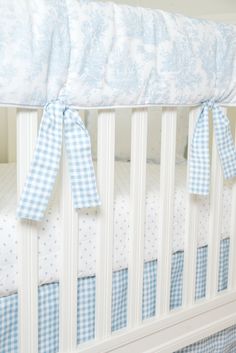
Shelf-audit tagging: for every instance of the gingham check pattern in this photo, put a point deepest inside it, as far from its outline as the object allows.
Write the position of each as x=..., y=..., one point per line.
x=49, y=305
x=58, y=121
x=199, y=176
x=221, y=342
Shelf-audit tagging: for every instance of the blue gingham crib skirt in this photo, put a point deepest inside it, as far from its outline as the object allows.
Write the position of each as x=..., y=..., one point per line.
x=49, y=305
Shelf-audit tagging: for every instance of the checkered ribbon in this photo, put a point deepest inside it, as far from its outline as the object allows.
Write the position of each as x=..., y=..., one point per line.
x=199, y=176
x=59, y=120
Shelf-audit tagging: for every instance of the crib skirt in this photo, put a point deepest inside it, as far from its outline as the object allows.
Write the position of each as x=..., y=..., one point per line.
x=49, y=305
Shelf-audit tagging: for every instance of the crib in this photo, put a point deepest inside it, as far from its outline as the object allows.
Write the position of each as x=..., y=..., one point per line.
x=168, y=329
x=206, y=316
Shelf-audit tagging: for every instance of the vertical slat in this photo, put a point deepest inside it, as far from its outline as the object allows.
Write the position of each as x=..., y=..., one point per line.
x=167, y=181
x=105, y=172
x=28, y=239
x=232, y=253
x=69, y=264
x=137, y=214
x=11, y=134
x=192, y=215
x=215, y=222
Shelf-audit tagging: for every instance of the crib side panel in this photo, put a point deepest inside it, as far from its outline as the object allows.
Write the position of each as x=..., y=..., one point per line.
x=27, y=125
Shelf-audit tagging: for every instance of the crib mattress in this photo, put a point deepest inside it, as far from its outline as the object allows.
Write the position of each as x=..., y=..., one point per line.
x=49, y=229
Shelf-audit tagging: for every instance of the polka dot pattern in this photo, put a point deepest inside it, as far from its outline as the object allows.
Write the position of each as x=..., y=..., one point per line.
x=50, y=228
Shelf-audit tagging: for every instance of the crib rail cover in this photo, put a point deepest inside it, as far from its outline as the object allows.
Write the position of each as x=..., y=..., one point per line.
x=92, y=54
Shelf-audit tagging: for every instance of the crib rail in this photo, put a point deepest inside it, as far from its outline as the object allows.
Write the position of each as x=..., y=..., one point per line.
x=148, y=334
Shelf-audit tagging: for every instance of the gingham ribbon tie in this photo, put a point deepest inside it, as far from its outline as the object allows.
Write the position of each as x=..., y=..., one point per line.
x=199, y=175
x=59, y=121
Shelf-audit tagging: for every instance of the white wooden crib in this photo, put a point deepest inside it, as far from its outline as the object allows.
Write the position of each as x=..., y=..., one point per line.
x=169, y=330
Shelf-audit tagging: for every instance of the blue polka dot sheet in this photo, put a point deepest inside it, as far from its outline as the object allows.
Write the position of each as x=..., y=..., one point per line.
x=49, y=305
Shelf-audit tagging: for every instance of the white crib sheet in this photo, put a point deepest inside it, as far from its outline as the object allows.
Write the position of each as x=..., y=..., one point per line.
x=49, y=229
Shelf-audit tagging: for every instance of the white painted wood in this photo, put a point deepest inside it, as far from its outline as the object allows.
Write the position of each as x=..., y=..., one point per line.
x=167, y=181
x=192, y=219
x=27, y=124
x=137, y=215
x=69, y=254
x=105, y=173
x=215, y=222
x=11, y=134
x=175, y=331
x=200, y=333
x=232, y=253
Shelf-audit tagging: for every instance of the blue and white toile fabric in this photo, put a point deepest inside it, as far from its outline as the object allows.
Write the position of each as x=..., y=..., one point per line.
x=124, y=55
x=102, y=54
x=84, y=54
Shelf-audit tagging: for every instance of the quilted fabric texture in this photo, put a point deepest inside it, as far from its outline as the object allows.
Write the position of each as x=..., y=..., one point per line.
x=34, y=51
x=102, y=54
x=94, y=54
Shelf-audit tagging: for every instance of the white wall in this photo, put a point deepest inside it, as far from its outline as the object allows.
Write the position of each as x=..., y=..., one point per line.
x=187, y=7
x=3, y=136
x=7, y=135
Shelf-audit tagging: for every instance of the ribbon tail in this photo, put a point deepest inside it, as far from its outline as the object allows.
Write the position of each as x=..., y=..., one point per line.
x=199, y=164
x=44, y=166
x=78, y=149
x=225, y=143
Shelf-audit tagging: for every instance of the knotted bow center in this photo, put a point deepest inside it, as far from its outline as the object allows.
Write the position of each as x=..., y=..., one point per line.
x=59, y=122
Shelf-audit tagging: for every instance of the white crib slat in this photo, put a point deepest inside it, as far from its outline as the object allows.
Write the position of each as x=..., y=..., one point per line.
x=232, y=253
x=69, y=264
x=215, y=223
x=28, y=239
x=137, y=215
x=105, y=172
x=167, y=181
x=192, y=214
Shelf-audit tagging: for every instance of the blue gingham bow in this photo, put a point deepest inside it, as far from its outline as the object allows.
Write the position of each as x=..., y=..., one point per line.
x=199, y=176
x=57, y=120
